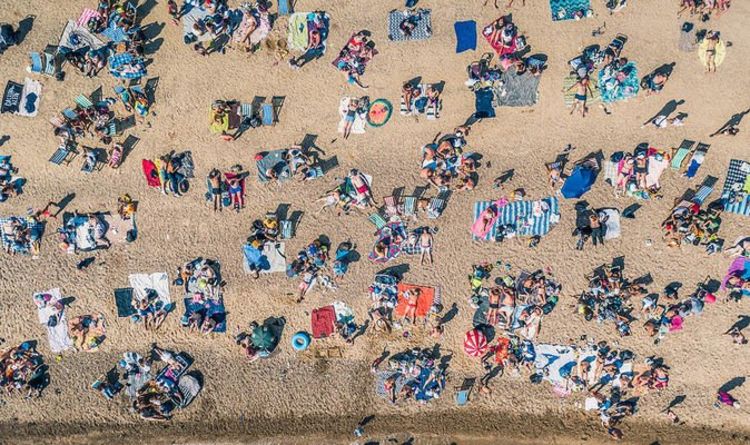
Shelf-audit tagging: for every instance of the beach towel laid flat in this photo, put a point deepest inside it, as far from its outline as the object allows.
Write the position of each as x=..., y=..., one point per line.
x=557, y=363
x=271, y=259
x=570, y=94
x=125, y=66
x=322, y=321
x=360, y=119
x=124, y=302
x=22, y=99
x=53, y=319
x=655, y=169
x=421, y=18
x=211, y=308
x=615, y=88
x=739, y=267
x=483, y=103
x=158, y=281
x=298, y=36
x=192, y=17
x=12, y=97
x=570, y=9
x=421, y=105
x=75, y=37
x=466, y=35
x=611, y=218
x=579, y=182
x=699, y=156
x=424, y=301
x=721, y=52
x=86, y=15
x=36, y=229
x=516, y=90
x=736, y=191
x=379, y=113
x=526, y=218
x=273, y=160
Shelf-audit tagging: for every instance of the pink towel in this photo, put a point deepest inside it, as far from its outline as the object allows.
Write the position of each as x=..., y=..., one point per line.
x=478, y=228
x=86, y=15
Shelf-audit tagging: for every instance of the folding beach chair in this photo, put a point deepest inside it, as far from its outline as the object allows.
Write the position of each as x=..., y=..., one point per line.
x=63, y=155
x=83, y=102
x=285, y=7
x=680, y=154
x=287, y=228
x=246, y=110
x=266, y=114
x=463, y=392
x=618, y=43
x=277, y=103
x=697, y=159
x=44, y=63
x=391, y=206
x=437, y=205
x=410, y=207
x=706, y=188
x=36, y=63
x=378, y=220
x=70, y=114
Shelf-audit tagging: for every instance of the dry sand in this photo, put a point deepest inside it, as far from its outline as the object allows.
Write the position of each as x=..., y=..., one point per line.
x=294, y=398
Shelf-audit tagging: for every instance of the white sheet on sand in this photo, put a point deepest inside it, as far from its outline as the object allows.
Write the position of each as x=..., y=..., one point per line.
x=360, y=120
x=611, y=218
x=655, y=169
x=30, y=98
x=276, y=257
x=58, y=336
x=83, y=239
x=558, y=362
x=158, y=281
x=84, y=38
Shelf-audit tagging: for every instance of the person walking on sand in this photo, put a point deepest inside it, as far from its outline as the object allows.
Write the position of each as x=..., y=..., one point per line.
x=583, y=89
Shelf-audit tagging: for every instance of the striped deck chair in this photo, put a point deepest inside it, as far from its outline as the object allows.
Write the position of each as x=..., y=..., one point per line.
x=70, y=114
x=391, y=206
x=680, y=153
x=706, y=188
x=436, y=206
x=287, y=228
x=56, y=122
x=63, y=155
x=83, y=102
x=36, y=63
x=246, y=110
x=410, y=207
x=377, y=220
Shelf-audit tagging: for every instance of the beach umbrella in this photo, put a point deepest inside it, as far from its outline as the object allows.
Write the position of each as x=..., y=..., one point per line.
x=262, y=338
x=475, y=343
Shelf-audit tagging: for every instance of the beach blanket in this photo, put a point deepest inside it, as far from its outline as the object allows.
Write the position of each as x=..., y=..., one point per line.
x=515, y=90
x=12, y=97
x=260, y=32
x=195, y=15
x=655, y=169
x=36, y=230
x=211, y=308
x=425, y=300
x=570, y=9
x=75, y=37
x=322, y=321
x=95, y=333
x=483, y=103
x=393, y=234
x=360, y=119
x=611, y=218
x=126, y=66
x=736, y=191
x=53, y=319
x=420, y=104
x=570, y=94
x=740, y=267
x=379, y=112
x=124, y=302
x=272, y=160
x=85, y=234
x=298, y=33
x=466, y=35
x=22, y=100
x=579, y=182
x=721, y=52
x=86, y=15
x=527, y=218
x=613, y=90
x=158, y=281
x=271, y=259
x=380, y=379
x=422, y=18
x=557, y=363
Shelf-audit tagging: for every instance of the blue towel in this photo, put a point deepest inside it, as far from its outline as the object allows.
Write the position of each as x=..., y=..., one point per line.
x=484, y=103
x=209, y=309
x=578, y=183
x=466, y=35
x=567, y=9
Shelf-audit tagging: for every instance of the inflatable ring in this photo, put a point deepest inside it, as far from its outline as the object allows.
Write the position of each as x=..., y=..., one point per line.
x=300, y=341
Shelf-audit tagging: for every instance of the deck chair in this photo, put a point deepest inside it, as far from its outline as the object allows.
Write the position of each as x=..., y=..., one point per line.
x=285, y=7
x=69, y=114
x=98, y=162
x=111, y=129
x=150, y=89
x=266, y=114
x=410, y=207
x=437, y=205
x=706, y=188
x=287, y=228
x=377, y=220
x=463, y=392
x=246, y=110
x=391, y=206
x=277, y=103
x=63, y=155
x=680, y=153
x=697, y=159
x=83, y=102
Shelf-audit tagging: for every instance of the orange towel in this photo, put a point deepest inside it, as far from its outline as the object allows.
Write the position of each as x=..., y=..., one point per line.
x=424, y=302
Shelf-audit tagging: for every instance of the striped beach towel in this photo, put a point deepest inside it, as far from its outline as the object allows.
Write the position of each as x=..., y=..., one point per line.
x=736, y=185
x=520, y=215
x=87, y=15
x=421, y=104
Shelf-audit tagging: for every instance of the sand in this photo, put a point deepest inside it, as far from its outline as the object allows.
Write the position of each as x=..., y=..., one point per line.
x=295, y=398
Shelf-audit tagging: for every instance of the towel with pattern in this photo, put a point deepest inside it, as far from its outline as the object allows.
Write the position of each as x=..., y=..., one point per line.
x=419, y=20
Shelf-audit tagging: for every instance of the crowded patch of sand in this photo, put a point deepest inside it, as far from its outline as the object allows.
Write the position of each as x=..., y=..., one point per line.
x=295, y=398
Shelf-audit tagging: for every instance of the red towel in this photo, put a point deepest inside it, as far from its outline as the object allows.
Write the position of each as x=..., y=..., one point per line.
x=323, y=321
x=152, y=175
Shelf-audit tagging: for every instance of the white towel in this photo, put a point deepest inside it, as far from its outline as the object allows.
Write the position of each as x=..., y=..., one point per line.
x=58, y=336
x=158, y=281
x=359, y=119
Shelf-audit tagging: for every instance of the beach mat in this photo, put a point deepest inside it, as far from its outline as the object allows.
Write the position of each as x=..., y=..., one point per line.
x=521, y=215
x=57, y=333
x=483, y=103
x=612, y=223
x=12, y=97
x=424, y=302
x=466, y=35
x=360, y=119
x=32, y=95
x=322, y=321
x=273, y=160
x=422, y=31
x=517, y=90
x=158, y=281
x=211, y=308
x=123, y=302
x=567, y=9
x=297, y=37
x=737, y=184
x=271, y=259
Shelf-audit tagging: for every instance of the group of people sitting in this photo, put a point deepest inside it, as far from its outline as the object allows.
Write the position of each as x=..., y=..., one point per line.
x=255, y=342
x=610, y=297
x=298, y=165
x=151, y=310
x=413, y=374
x=354, y=57
x=353, y=192
x=203, y=284
x=411, y=92
x=704, y=8
x=10, y=184
x=669, y=317
x=688, y=223
x=87, y=331
x=92, y=121
x=96, y=233
x=173, y=170
x=18, y=235
x=514, y=304
x=311, y=265
x=159, y=397
x=446, y=159
x=22, y=368
x=632, y=172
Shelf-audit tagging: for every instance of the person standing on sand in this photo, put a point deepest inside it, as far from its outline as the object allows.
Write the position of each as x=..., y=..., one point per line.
x=583, y=89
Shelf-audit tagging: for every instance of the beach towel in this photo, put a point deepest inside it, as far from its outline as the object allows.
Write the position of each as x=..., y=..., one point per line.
x=298, y=34
x=612, y=90
x=36, y=229
x=741, y=267
x=151, y=173
x=75, y=37
x=12, y=97
x=516, y=90
x=195, y=15
x=579, y=182
x=570, y=9
x=483, y=103
x=86, y=15
x=158, y=281
x=570, y=94
x=124, y=302
x=390, y=235
x=736, y=191
x=423, y=24
x=32, y=95
x=721, y=52
x=323, y=321
x=687, y=41
x=526, y=218
x=272, y=160
x=557, y=363
x=126, y=66
x=420, y=104
x=271, y=259
x=57, y=329
x=379, y=113
x=211, y=308
x=262, y=30
x=360, y=119
x=466, y=35
x=611, y=218
x=699, y=155
x=655, y=169
x=424, y=301
x=479, y=229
